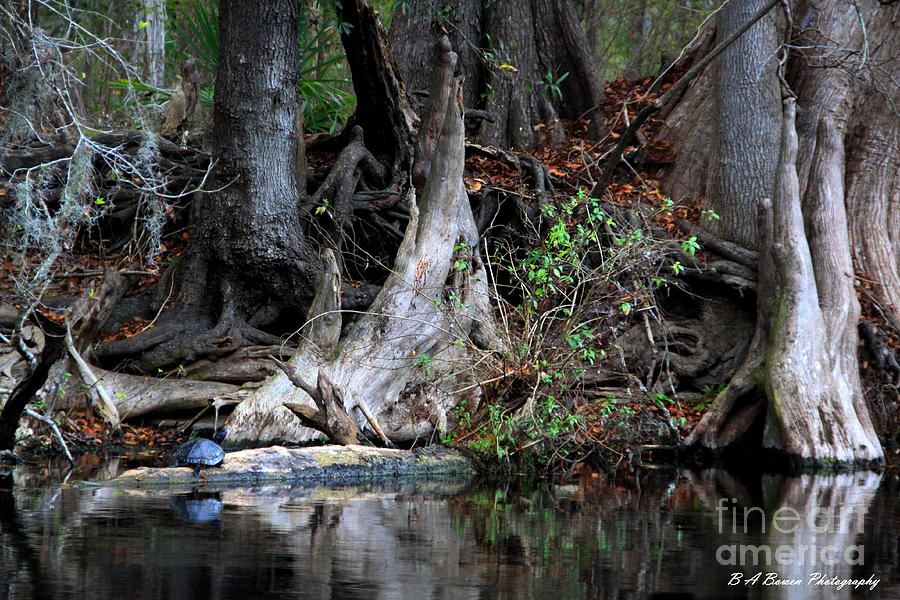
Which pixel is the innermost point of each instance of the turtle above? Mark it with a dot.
(201, 452)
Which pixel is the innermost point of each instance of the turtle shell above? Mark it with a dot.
(200, 451)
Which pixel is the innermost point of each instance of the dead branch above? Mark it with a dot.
(374, 423)
(56, 432)
(329, 416)
(105, 405)
(25, 390)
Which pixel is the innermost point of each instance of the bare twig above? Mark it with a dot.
(56, 432)
(108, 409)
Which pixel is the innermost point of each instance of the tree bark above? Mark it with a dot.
(690, 123)
(528, 64)
(247, 252)
(382, 109)
(803, 363)
(405, 359)
(812, 401)
(411, 40)
(859, 93)
(830, 79)
(747, 123)
(151, 25)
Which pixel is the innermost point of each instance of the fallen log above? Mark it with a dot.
(137, 395)
(278, 464)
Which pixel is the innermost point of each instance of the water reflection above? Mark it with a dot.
(198, 507)
(504, 539)
(811, 536)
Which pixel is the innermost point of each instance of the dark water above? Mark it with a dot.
(660, 537)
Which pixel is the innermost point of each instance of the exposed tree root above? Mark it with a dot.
(180, 338)
(731, 250)
(422, 309)
(191, 330)
(335, 194)
(736, 407)
(807, 371)
(248, 364)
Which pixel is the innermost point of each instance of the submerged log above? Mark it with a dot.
(279, 464)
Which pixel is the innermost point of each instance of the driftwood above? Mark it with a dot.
(329, 416)
(138, 395)
(84, 321)
(116, 395)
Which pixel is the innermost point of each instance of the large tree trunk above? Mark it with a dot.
(728, 124)
(382, 108)
(513, 56)
(813, 402)
(802, 369)
(747, 121)
(247, 255)
(405, 361)
(861, 96)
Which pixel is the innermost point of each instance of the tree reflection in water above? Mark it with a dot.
(513, 538)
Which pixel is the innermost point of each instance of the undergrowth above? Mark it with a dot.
(563, 390)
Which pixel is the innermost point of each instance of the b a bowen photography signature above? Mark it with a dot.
(814, 579)
(799, 540)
